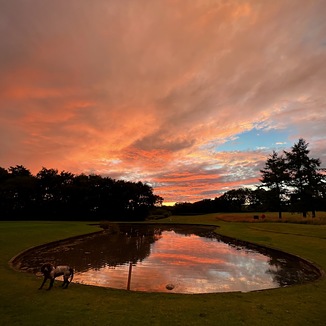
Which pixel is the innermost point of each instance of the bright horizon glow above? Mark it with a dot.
(169, 203)
(189, 99)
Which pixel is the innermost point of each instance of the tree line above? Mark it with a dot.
(53, 195)
(290, 181)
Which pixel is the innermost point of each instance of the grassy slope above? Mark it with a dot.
(23, 304)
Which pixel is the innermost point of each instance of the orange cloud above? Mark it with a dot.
(148, 91)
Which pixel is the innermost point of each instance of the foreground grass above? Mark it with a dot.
(23, 304)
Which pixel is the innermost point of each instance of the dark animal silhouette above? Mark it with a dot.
(51, 272)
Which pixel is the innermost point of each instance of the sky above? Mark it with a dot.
(189, 96)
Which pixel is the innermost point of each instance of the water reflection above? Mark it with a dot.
(192, 260)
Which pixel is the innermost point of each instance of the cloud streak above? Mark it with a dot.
(149, 90)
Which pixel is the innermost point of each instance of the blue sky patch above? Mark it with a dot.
(256, 139)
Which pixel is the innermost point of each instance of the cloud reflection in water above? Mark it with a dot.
(193, 264)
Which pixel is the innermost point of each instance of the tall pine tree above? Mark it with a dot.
(275, 176)
(304, 176)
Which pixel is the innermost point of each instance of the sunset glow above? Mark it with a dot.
(189, 97)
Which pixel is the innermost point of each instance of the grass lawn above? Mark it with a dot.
(23, 304)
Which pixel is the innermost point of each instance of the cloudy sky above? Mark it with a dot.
(190, 96)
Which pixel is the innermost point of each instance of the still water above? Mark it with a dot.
(177, 259)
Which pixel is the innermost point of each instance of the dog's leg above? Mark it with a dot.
(44, 280)
(65, 282)
(71, 275)
(51, 283)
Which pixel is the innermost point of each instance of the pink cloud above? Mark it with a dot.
(148, 90)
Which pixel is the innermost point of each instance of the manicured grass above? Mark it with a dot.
(23, 304)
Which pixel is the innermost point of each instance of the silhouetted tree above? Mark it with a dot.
(53, 195)
(304, 176)
(235, 199)
(259, 199)
(48, 192)
(19, 192)
(19, 171)
(275, 176)
(4, 196)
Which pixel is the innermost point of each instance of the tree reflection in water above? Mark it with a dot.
(188, 259)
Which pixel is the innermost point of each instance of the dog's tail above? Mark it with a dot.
(71, 270)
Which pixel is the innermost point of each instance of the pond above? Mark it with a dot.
(176, 259)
